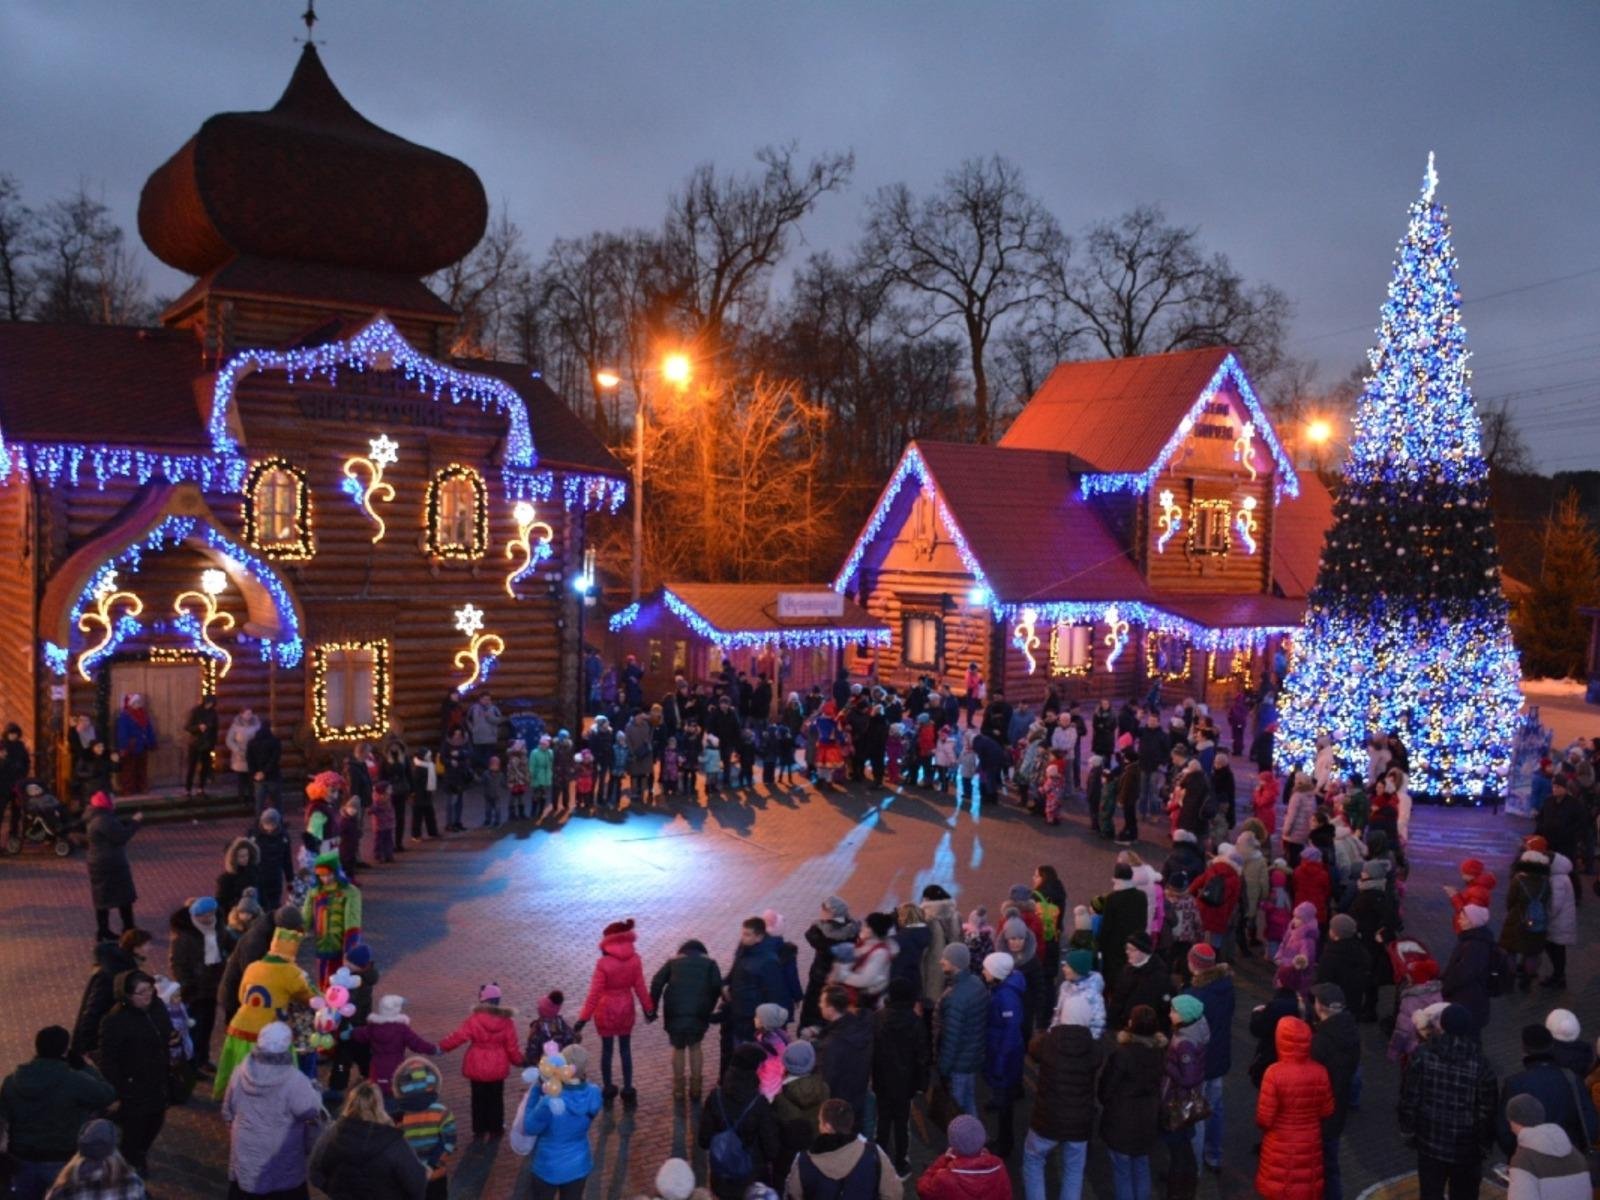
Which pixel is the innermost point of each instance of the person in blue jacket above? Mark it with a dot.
(562, 1160)
(1004, 1046)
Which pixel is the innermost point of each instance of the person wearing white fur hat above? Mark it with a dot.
(1570, 1050)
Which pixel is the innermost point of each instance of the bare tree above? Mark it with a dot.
(972, 253)
(485, 288)
(723, 236)
(84, 271)
(18, 231)
(1144, 286)
(1505, 450)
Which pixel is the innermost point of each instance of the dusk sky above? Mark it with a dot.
(1294, 135)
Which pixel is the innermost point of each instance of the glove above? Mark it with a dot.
(577, 1030)
(650, 1018)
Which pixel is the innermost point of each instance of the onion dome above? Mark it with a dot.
(311, 180)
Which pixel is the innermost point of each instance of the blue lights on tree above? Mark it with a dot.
(1407, 628)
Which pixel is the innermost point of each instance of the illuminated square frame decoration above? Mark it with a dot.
(303, 545)
(1198, 507)
(1152, 667)
(1059, 669)
(1235, 672)
(480, 515)
(381, 683)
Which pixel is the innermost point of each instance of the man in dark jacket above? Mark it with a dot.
(1345, 961)
(1126, 913)
(135, 1047)
(1566, 1100)
(754, 979)
(961, 1027)
(1143, 981)
(1466, 976)
(274, 858)
(899, 1068)
(202, 730)
(1561, 823)
(263, 759)
(1194, 792)
(1154, 747)
(997, 718)
(1063, 1107)
(1447, 1104)
(1337, 1046)
(44, 1104)
(1213, 986)
(685, 991)
(844, 1048)
(99, 994)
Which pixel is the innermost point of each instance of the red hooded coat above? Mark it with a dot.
(495, 1049)
(618, 978)
(1295, 1096)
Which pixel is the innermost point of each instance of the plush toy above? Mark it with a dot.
(332, 1007)
(553, 1076)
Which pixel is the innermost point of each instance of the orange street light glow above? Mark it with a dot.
(607, 379)
(1319, 431)
(675, 369)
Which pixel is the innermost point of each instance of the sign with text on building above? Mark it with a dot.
(809, 606)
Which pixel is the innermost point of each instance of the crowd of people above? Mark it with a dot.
(919, 1020)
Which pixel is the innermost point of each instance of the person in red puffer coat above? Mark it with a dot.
(966, 1171)
(618, 978)
(495, 1049)
(1221, 877)
(1311, 883)
(1295, 1096)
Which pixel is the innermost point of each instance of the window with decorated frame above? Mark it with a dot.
(1167, 657)
(458, 513)
(1229, 666)
(277, 510)
(1071, 648)
(350, 690)
(1210, 527)
(923, 639)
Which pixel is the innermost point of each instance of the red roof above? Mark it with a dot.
(100, 383)
(1114, 414)
(1299, 527)
(349, 287)
(1054, 549)
(753, 607)
(313, 180)
(1247, 611)
(560, 436)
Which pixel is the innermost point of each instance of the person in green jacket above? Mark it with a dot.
(541, 773)
(44, 1103)
(685, 992)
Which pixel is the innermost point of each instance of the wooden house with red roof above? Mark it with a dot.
(290, 494)
(1138, 523)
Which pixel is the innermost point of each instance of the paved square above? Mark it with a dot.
(525, 907)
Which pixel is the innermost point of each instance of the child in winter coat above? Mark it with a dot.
(494, 790)
(583, 779)
(1312, 884)
(669, 767)
(383, 822)
(1081, 984)
(711, 763)
(1276, 907)
(542, 778)
(517, 780)
(1419, 989)
(967, 769)
(894, 760)
(562, 769)
(978, 934)
(428, 1126)
(548, 1026)
(1298, 950)
(492, 1033)
(772, 1037)
(1052, 794)
(389, 1034)
(618, 978)
(944, 757)
(787, 765)
(1264, 803)
(350, 837)
(1082, 937)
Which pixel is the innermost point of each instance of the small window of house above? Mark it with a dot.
(1071, 648)
(1209, 527)
(350, 683)
(277, 510)
(457, 514)
(922, 635)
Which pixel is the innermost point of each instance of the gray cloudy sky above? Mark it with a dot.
(1293, 134)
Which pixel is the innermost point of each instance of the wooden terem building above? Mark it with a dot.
(1138, 521)
(289, 493)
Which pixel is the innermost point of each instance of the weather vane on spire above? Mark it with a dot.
(310, 19)
(1430, 181)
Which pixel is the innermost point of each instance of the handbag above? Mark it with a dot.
(1184, 1110)
(522, 1144)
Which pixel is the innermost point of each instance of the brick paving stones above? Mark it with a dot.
(525, 908)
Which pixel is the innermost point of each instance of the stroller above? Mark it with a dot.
(1405, 953)
(39, 819)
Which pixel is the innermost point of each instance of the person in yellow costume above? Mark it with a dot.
(267, 990)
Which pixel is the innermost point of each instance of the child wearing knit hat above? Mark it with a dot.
(548, 1026)
(1081, 985)
(490, 1034)
(978, 933)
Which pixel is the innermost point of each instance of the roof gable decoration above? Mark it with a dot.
(831, 636)
(1286, 482)
(913, 465)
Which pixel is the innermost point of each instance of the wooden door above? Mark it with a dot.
(170, 690)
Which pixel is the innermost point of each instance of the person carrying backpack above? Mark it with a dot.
(841, 1164)
(1527, 923)
(737, 1129)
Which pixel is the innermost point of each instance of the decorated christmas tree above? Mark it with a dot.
(1406, 629)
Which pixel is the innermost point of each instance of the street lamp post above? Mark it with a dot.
(676, 370)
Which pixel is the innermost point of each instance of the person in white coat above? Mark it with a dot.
(237, 740)
(1545, 1165)
(1561, 928)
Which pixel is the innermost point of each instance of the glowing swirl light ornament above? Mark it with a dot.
(1244, 447)
(534, 549)
(482, 648)
(1117, 638)
(212, 584)
(383, 454)
(107, 597)
(1026, 639)
(1245, 523)
(1170, 520)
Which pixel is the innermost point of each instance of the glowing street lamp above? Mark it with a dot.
(1319, 432)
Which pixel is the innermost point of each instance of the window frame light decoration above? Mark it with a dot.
(433, 514)
(302, 546)
(1152, 667)
(1059, 667)
(1235, 672)
(381, 683)
(1199, 512)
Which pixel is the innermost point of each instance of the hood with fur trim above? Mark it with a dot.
(231, 867)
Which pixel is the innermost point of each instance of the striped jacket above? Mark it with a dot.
(427, 1125)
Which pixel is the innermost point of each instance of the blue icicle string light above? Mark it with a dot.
(623, 618)
(830, 636)
(55, 462)
(1407, 627)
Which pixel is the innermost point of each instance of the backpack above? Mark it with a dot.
(1536, 916)
(1502, 971)
(1215, 892)
(1049, 916)
(729, 1157)
(860, 1180)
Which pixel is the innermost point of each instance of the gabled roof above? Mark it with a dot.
(1298, 530)
(112, 384)
(1124, 418)
(1059, 550)
(563, 438)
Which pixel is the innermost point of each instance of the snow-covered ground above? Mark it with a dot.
(1562, 707)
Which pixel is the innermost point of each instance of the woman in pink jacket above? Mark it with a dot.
(495, 1049)
(618, 978)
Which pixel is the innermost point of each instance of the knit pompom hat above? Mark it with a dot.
(967, 1136)
(550, 1005)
